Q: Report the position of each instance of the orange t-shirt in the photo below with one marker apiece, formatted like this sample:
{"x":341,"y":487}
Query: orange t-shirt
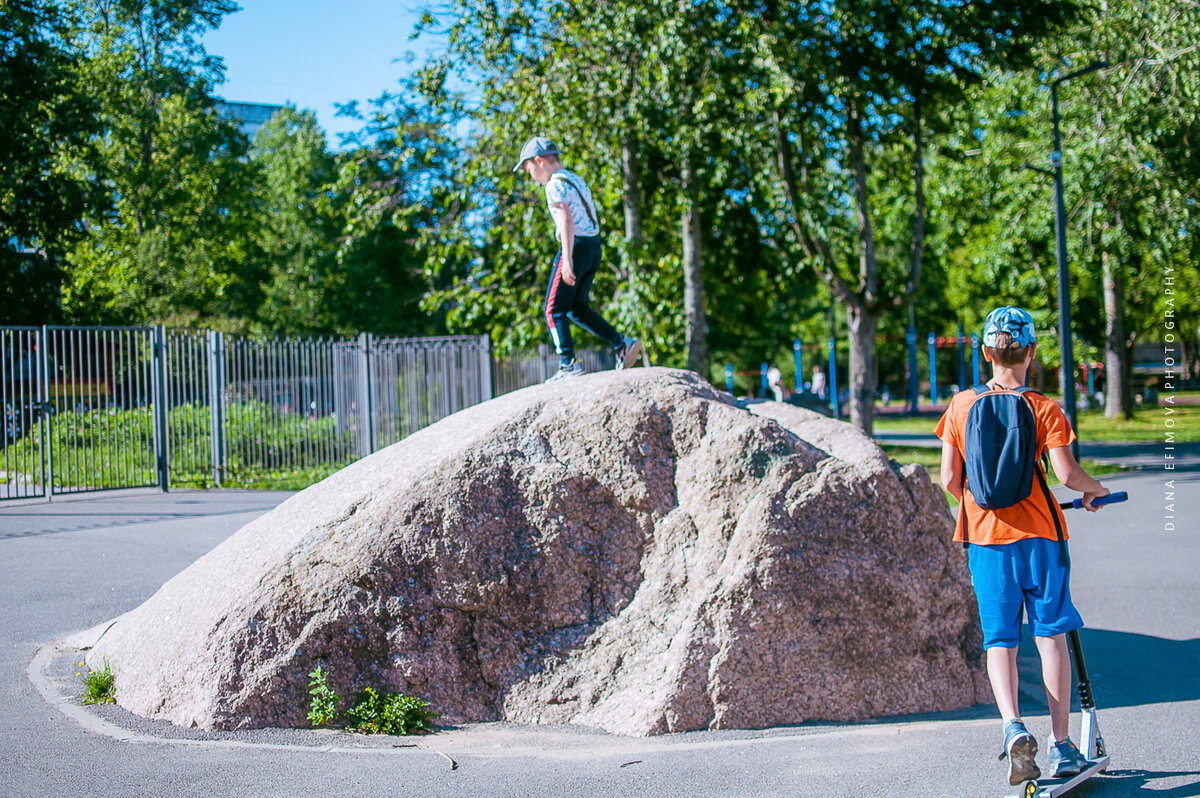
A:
{"x":1026,"y":519}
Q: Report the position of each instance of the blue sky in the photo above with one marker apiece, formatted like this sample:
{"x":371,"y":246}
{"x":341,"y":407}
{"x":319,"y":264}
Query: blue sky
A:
{"x":314,"y":53}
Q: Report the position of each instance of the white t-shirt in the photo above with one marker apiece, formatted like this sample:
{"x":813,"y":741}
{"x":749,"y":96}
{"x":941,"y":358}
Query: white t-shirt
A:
{"x":559,"y":190}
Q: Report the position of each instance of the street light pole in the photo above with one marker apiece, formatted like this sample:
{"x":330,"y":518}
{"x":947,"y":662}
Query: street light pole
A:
{"x":1064,"y":283}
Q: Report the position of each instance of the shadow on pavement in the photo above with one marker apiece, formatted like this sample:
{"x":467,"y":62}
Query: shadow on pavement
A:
{"x":1129,"y":669}
{"x":1134,"y":782}
{"x":1126,"y":669}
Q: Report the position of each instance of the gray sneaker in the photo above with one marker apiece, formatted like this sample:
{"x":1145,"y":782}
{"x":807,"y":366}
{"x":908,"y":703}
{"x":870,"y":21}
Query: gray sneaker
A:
{"x":572,"y":369}
{"x":1065,"y":759}
{"x":627,"y":353}
{"x":1021,"y":749}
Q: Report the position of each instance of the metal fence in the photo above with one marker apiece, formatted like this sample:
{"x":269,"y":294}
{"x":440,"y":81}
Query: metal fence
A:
{"x":532,"y":366}
{"x":96,"y":408}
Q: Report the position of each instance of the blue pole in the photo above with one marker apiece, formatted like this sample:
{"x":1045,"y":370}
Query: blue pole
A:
{"x":766,"y":386}
{"x":914,"y":389}
{"x":799,"y":366}
{"x":932,"y":368}
{"x":1091,"y":372}
{"x":962,"y":358}
{"x":833,"y":392}
{"x":729,"y":377}
{"x":975,"y":357}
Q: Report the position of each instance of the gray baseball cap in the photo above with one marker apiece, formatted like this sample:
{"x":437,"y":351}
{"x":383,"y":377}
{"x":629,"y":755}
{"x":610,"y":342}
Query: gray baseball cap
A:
{"x":538,"y":145}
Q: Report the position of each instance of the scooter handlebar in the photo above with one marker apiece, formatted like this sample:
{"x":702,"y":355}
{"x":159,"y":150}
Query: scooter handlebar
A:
{"x":1111,"y":498}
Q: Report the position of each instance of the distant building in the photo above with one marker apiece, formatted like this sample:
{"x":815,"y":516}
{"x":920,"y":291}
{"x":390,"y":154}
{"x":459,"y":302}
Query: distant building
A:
{"x":249,"y":116}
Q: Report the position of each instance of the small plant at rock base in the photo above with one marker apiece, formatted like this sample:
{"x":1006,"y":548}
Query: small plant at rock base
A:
{"x":99,"y":687}
{"x":390,"y":713}
{"x":324,"y":699}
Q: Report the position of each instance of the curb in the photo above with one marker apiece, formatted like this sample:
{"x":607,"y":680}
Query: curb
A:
{"x":477,"y":741}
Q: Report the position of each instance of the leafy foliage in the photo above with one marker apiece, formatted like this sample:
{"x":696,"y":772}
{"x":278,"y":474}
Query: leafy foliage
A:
{"x":324,"y":699}
{"x":389,"y":713}
{"x":753,"y":162}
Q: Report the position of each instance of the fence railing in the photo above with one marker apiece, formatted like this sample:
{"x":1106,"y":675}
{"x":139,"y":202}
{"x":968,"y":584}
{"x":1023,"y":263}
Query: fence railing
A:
{"x":97,"y":408}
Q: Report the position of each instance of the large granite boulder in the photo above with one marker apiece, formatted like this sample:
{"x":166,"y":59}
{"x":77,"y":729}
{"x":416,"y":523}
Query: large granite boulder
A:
{"x":626,"y":550}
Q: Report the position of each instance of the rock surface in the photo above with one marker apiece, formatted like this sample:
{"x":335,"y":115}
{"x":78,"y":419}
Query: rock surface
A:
{"x":626,"y":550}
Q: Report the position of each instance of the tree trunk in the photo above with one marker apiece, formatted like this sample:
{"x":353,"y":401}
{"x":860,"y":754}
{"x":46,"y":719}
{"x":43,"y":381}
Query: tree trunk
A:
{"x":632,"y":197}
{"x":862,"y":323}
{"x":695,"y":326}
{"x":863,"y":314}
{"x":1118,"y":396}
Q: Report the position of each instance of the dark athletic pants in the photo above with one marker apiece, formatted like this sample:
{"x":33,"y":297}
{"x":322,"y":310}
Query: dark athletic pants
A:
{"x":567,"y":303}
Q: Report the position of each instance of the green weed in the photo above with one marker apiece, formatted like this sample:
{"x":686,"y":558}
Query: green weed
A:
{"x":99,"y":687}
{"x":324,"y":699}
{"x":389,"y":713}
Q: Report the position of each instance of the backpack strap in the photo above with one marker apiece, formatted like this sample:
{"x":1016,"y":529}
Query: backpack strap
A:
{"x":1039,"y":470}
{"x":979,"y":390}
{"x":586,"y":208}
{"x":1053,"y":505}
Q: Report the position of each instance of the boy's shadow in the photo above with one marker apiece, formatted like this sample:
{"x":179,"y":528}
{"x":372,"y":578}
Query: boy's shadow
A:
{"x":1126,"y":669}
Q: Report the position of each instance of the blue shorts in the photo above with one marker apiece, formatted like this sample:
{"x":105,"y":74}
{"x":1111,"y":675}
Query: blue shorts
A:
{"x":1033,"y":574}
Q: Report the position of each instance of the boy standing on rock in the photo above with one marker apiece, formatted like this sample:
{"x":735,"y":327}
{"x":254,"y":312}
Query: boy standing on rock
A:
{"x":577,"y":227}
{"x":1017,"y":550}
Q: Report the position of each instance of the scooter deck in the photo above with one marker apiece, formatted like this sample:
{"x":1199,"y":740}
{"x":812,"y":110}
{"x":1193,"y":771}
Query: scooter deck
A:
{"x":1051,"y":788}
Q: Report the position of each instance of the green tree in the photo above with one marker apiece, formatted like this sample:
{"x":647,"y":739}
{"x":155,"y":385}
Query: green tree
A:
{"x":48,"y":124}
{"x":846,"y":83}
{"x":302,"y":221}
{"x":171,"y":246}
{"x":1130,"y":173}
{"x":400,"y":192}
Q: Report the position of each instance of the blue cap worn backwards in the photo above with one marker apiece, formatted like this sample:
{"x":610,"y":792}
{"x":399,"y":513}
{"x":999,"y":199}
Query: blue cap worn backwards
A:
{"x":538,"y":145}
{"x":1014,"y":321}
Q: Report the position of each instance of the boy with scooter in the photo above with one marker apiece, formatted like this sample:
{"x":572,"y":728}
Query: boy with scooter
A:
{"x":1015,"y":534}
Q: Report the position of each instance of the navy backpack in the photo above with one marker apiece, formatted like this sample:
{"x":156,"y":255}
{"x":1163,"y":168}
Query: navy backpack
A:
{"x":1000,"y":448}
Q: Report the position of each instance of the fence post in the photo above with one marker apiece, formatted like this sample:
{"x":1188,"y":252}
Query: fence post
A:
{"x":485,"y":368}
{"x":975,"y":357}
{"x":833,"y":391}
{"x":158,"y":386}
{"x":543,"y":357}
{"x":46,"y":422}
{"x":216,"y":404}
{"x":796,"y":344}
{"x":914,"y":387}
{"x":962,"y":357}
{"x":366,"y":414}
{"x":932,"y":369}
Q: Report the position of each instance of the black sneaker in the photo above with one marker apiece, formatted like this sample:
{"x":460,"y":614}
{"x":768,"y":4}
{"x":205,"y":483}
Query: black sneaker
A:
{"x":565,"y":370}
{"x":627,"y":353}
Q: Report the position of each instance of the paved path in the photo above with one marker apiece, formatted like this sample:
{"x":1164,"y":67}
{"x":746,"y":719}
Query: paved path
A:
{"x":67,"y":566}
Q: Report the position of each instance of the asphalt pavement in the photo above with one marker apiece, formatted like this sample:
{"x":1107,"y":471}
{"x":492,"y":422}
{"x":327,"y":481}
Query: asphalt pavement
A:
{"x":69,"y":565}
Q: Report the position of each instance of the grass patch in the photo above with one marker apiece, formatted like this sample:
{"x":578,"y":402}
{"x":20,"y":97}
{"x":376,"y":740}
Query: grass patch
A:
{"x":99,"y":687}
{"x":1148,"y":424}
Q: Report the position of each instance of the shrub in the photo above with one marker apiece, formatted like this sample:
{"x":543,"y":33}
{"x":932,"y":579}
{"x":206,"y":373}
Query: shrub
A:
{"x":390,"y":713}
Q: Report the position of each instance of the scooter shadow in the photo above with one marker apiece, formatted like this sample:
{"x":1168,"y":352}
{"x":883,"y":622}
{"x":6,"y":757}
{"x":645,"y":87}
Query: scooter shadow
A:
{"x":1126,"y":669}
{"x":1122,"y":782}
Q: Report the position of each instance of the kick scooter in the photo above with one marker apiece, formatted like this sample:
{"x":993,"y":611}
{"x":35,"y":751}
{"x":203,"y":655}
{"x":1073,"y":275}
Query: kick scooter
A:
{"x":1089,"y":733}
